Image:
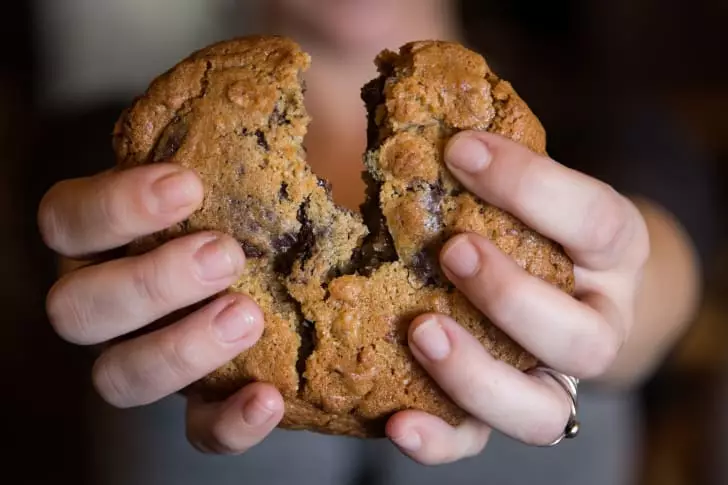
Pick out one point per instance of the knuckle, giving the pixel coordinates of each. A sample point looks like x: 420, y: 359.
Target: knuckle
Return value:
x: 606, y: 223
x: 150, y: 285
x: 522, y: 189
x: 114, y: 209
x: 182, y: 355
x: 67, y: 315
x: 502, y: 300
x: 110, y: 382
x: 595, y: 355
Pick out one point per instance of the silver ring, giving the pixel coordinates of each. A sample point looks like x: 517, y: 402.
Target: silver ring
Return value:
x: 570, y: 385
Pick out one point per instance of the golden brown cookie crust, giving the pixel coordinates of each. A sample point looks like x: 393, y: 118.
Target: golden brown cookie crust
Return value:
x: 338, y: 289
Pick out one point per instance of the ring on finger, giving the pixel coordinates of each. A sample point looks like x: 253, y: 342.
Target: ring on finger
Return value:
x: 570, y: 385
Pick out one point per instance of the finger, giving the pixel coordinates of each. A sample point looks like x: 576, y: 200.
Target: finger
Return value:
x: 238, y: 424
x: 429, y: 440
x: 591, y: 220
x: 524, y: 407
x: 147, y: 368
x: 84, y: 216
x: 567, y: 334
x: 97, y: 303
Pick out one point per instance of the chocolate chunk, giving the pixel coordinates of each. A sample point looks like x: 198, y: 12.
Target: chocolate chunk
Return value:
x: 278, y: 118
x: 373, y: 95
x: 284, y: 242
x: 425, y: 264
x: 307, y: 333
x: 424, y: 267
x: 378, y: 246
x: 252, y: 251
x: 432, y: 200
x: 171, y: 140
x: 307, y: 242
x: 283, y: 192
x: 296, y: 247
x: 325, y: 184
x: 262, y: 142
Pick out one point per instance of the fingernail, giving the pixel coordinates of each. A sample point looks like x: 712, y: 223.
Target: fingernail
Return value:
x: 432, y: 340
x: 468, y: 154
x: 257, y: 412
x: 410, y: 441
x: 217, y: 260
x: 175, y: 191
x: 462, y: 258
x: 233, y: 323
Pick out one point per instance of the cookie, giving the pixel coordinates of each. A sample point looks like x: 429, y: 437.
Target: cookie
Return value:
x: 338, y: 288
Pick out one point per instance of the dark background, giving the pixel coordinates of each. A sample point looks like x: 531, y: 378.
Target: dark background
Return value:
x: 570, y: 59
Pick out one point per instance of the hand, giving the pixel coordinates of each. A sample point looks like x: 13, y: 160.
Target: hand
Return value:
x: 83, y: 218
x: 605, y: 235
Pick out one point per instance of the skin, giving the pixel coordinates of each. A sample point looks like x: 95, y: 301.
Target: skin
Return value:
x: 636, y: 271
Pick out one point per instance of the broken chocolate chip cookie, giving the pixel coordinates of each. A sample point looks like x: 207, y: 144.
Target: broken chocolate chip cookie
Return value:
x: 339, y: 289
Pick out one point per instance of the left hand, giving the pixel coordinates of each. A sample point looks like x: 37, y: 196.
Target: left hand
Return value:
x: 604, y: 234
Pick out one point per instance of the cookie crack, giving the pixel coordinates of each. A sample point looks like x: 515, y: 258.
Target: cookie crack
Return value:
x: 306, y: 330
x: 205, y: 81
x: 173, y: 135
x: 298, y: 253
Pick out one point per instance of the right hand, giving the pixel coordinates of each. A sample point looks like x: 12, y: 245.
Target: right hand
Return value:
x: 92, y: 305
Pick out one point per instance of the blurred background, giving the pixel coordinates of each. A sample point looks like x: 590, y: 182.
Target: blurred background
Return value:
x: 69, y: 66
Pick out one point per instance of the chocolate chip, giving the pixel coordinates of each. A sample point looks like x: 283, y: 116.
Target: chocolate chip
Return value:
x: 307, y: 236
x: 378, y: 246
x: 373, y: 95
x: 284, y: 242
x: 278, y: 118
x: 457, y: 192
x: 171, y: 140
x: 425, y: 263
x: 262, y: 142
x: 433, y: 198
x: 423, y: 266
x: 325, y: 184
x: 331, y: 275
x: 301, y: 248
x: 307, y: 334
x: 283, y: 192
x: 252, y: 251
x: 307, y: 241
